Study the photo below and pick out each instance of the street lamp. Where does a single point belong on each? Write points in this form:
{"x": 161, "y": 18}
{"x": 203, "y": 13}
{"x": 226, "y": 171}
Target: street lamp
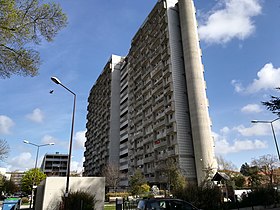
{"x": 57, "y": 81}
{"x": 273, "y": 132}
{"x": 38, "y": 147}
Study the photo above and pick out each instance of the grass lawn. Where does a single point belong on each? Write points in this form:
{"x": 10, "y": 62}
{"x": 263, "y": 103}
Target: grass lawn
{"x": 111, "y": 206}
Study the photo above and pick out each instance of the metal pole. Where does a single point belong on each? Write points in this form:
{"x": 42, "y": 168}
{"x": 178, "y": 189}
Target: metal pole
{"x": 34, "y": 178}
{"x": 57, "y": 81}
{"x": 35, "y": 168}
{"x": 38, "y": 147}
{"x": 273, "y": 132}
{"x": 70, "y": 146}
{"x": 274, "y": 136}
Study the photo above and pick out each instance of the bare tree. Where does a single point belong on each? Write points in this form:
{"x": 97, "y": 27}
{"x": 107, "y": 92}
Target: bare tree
{"x": 225, "y": 165}
{"x": 267, "y": 165}
{"x": 172, "y": 174}
{"x": 4, "y": 149}
{"x": 112, "y": 176}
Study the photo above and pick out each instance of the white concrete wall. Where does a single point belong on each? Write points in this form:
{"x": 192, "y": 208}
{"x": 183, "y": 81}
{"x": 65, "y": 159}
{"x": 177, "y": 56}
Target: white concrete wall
{"x": 184, "y": 130}
{"x": 200, "y": 120}
{"x": 114, "y": 143}
{"x": 49, "y": 191}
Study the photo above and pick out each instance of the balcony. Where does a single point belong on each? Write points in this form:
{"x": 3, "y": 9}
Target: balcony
{"x": 147, "y": 104}
{"x": 158, "y": 105}
{"x": 171, "y": 130}
{"x": 169, "y": 88}
{"x": 161, "y": 135}
{"x": 138, "y": 134}
{"x": 148, "y": 139}
{"x": 157, "y": 87}
{"x": 149, "y": 159}
{"x": 146, "y": 88}
{"x": 159, "y": 124}
{"x": 169, "y": 108}
{"x": 161, "y": 115}
{"x": 139, "y": 162}
{"x": 139, "y": 144}
{"x": 157, "y": 68}
{"x": 124, "y": 137}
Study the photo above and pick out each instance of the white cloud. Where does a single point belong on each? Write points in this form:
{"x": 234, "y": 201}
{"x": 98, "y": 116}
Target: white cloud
{"x": 80, "y": 139}
{"x": 225, "y": 130}
{"x": 57, "y": 143}
{"x": 77, "y": 166}
{"x": 255, "y": 130}
{"x": 251, "y": 108}
{"x": 222, "y": 145}
{"x": 268, "y": 78}
{"x": 237, "y": 86}
{"x": 48, "y": 139}
{"x": 258, "y": 129}
{"x": 36, "y": 116}
{"x": 233, "y": 20}
{"x": 6, "y": 124}
{"x": 20, "y": 162}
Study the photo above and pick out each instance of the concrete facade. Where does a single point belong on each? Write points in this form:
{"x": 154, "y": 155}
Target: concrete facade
{"x": 103, "y": 120}
{"x": 50, "y": 190}
{"x": 55, "y": 164}
{"x": 163, "y": 109}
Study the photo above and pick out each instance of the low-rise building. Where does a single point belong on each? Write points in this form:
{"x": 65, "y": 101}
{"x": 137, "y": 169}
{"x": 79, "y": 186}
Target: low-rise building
{"x": 55, "y": 164}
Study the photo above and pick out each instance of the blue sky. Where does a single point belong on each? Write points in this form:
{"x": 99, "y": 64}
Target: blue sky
{"x": 240, "y": 46}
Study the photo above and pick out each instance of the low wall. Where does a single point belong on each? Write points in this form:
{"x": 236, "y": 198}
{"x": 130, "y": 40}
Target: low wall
{"x": 50, "y": 190}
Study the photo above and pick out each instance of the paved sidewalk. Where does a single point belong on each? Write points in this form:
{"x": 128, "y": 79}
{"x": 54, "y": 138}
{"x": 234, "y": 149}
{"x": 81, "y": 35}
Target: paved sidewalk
{"x": 22, "y": 206}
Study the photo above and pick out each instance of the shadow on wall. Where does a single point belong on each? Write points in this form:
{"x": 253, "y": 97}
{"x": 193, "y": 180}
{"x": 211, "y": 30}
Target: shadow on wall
{"x": 50, "y": 191}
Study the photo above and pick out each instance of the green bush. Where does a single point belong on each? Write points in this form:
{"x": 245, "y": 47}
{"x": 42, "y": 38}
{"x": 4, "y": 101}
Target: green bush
{"x": 202, "y": 197}
{"x": 264, "y": 196}
{"x": 24, "y": 200}
{"x": 79, "y": 200}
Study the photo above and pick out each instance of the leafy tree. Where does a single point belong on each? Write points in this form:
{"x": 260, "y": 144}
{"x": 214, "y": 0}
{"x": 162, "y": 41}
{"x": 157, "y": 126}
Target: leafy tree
{"x": 23, "y": 24}
{"x": 253, "y": 173}
{"x": 7, "y": 185}
{"x": 10, "y": 187}
{"x": 273, "y": 104}
{"x": 136, "y": 181}
{"x": 2, "y": 182}
{"x": 4, "y": 147}
{"x": 145, "y": 188}
{"x": 30, "y": 178}
{"x": 239, "y": 181}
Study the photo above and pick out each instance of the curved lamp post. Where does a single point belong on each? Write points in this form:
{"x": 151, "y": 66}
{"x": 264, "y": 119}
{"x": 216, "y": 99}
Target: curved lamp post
{"x": 38, "y": 147}
{"x": 272, "y": 129}
{"x": 57, "y": 81}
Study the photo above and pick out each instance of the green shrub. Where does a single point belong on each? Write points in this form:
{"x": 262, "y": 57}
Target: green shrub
{"x": 79, "y": 200}
{"x": 202, "y": 197}
{"x": 24, "y": 200}
{"x": 264, "y": 196}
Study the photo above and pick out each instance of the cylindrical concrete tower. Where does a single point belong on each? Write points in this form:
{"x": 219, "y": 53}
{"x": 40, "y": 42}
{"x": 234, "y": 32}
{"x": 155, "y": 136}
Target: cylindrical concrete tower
{"x": 198, "y": 104}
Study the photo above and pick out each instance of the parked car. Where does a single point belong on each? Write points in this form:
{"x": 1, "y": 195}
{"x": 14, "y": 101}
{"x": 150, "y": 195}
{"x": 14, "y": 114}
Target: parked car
{"x": 164, "y": 204}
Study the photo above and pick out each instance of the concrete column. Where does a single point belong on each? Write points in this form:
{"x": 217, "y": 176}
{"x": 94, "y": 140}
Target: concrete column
{"x": 200, "y": 121}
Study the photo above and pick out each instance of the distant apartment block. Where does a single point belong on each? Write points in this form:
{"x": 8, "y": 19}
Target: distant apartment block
{"x": 55, "y": 164}
{"x": 16, "y": 177}
{"x": 151, "y": 105}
